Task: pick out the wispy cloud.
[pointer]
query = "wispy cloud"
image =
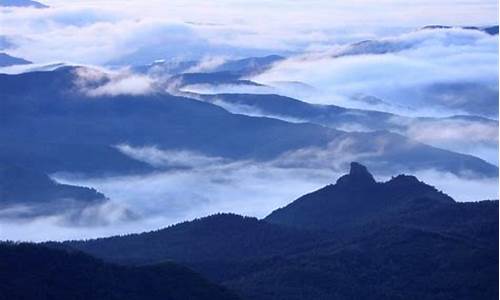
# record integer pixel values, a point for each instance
(207, 64)
(405, 72)
(475, 137)
(100, 82)
(100, 32)
(413, 68)
(167, 158)
(244, 187)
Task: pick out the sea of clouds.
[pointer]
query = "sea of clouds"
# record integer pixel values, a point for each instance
(415, 73)
(199, 186)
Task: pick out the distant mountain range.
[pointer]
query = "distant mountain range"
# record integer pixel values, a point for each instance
(401, 239)
(7, 60)
(492, 30)
(213, 78)
(237, 67)
(22, 3)
(393, 45)
(38, 194)
(333, 116)
(328, 115)
(51, 125)
(471, 97)
(356, 238)
(249, 66)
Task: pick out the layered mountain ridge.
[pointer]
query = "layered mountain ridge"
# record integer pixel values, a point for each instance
(22, 3)
(67, 120)
(29, 271)
(380, 239)
(41, 195)
(356, 197)
(7, 60)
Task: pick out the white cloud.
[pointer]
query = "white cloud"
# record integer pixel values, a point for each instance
(207, 64)
(100, 82)
(99, 32)
(130, 85)
(253, 111)
(471, 136)
(249, 188)
(406, 77)
(167, 158)
(227, 88)
(106, 32)
(450, 130)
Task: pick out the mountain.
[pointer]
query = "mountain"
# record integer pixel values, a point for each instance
(333, 116)
(21, 187)
(491, 30)
(222, 237)
(359, 238)
(357, 199)
(164, 67)
(249, 66)
(77, 157)
(238, 68)
(474, 97)
(30, 271)
(7, 60)
(287, 108)
(213, 78)
(383, 46)
(22, 3)
(53, 125)
(390, 263)
(43, 110)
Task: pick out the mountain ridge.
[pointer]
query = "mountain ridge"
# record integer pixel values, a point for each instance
(351, 195)
(377, 248)
(22, 3)
(52, 105)
(7, 60)
(31, 271)
(41, 195)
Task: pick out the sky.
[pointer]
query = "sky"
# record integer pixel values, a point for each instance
(110, 32)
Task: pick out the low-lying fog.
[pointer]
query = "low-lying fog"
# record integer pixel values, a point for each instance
(202, 187)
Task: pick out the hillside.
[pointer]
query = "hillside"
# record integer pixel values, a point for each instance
(54, 126)
(400, 239)
(34, 272)
(36, 191)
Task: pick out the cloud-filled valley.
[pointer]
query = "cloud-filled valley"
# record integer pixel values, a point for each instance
(175, 112)
(440, 72)
(187, 184)
(237, 150)
(197, 186)
(106, 32)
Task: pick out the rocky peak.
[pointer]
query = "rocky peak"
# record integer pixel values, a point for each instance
(358, 176)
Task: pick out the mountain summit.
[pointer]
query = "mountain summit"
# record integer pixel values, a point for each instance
(400, 239)
(357, 199)
(358, 176)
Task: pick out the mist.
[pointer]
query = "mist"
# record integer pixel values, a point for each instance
(108, 32)
(199, 186)
(431, 66)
